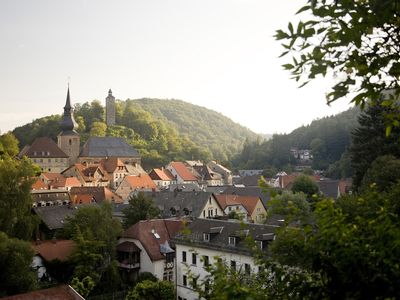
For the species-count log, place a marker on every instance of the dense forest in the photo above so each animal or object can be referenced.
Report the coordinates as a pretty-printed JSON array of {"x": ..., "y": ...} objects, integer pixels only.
[
  {"x": 162, "y": 130},
  {"x": 327, "y": 138}
]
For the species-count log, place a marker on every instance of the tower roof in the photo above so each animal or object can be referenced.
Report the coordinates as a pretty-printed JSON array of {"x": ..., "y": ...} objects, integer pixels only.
[{"x": 68, "y": 123}]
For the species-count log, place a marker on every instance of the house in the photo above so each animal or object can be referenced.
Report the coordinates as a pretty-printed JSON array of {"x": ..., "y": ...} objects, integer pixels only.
[
  {"x": 208, "y": 177},
  {"x": 46, "y": 197},
  {"x": 245, "y": 173},
  {"x": 249, "y": 207},
  {"x": 187, "y": 204},
  {"x": 225, "y": 172},
  {"x": 62, "y": 292},
  {"x": 345, "y": 186},
  {"x": 115, "y": 169},
  {"x": 286, "y": 181},
  {"x": 210, "y": 240},
  {"x": 48, "y": 251},
  {"x": 88, "y": 174},
  {"x": 329, "y": 188},
  {"x": 145, "y": 247},
  {"x": 58, "y": 181},
  {"x": 162, "y": 177},
  {"x": 133, "y": 184},
  {"x": 181, "y": 173},
  {"x": 249, "y": 191},
  {"x": 87, "y": 195},
  {"x": 45, "y": 153},
  {"x": 97, "y": 148}
]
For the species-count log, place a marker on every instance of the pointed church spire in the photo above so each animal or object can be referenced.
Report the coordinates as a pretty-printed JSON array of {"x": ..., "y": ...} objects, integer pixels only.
[
  {"x": 109, "y": 92},
  {"x": 68, "y": 123}
]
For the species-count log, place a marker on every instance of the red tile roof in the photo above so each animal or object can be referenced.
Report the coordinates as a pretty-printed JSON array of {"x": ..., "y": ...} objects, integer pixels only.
[
  {"x": 286, "y": 181},
  {"x": 86, "y": 194},
  {"x": 56, "y": 180},
  {"x": 249, "y": 202},
  {"x": 142, "y": 181},
  {"x": 44, "y": 147},
  {"x": 183, "y": 171},
  {"x": 111, "y": 164},
  {"x": 62, "y": 292},
  {"x": 51, "y": 250},
  {"x": 39, "y": 185},
  {"x": 143, "y": 231},
  {"x": 161, "y": 174}
]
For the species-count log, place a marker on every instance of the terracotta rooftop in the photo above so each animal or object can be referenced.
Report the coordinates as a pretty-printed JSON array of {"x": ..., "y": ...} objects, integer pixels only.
[
  {"x": 142, "y": 181},
  {"x": 62, "y": 292},
  {"x": 161, "y": 174},
  {"x": 143, "y": 231},
  {"x": 183, "y": 171},
  {"x": 39, "y": 185},
  {"x": 96, "y": 194},
  {"x": 56, "y": 180},
  {"x": 51, "y": 250},
  {"x": 249, "y": 202},
  {"x": 44, "y": 147},
  {"x": 111, "y": 164}
]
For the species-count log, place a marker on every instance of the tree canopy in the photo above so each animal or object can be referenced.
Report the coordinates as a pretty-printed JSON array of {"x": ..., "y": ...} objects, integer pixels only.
[
  {"x": 356, "y": 41},
  {"x": 140, "y": 208}
]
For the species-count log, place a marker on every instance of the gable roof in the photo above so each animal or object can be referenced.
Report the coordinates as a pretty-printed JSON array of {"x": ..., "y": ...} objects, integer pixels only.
[
  {"x": 329, "y": 188},
  {"x": 249, "y": 202},
  {"x": 206, "y": 173},
  {"x": 44, "y": 147},
  {"x": 249, "y": 191},
  {"x": 107, "y": 147},
  {"x": 54, "y": 249},
  {"x": 59, "y": 181},
  {"x": 182, "y": 202},
  {"x": 144, "y": 231},
  {"x": 39, "y": 185},
  {"x": 54, "y": 216},
  {"x": 62, "y": 292},
  {"x": 110, "y": 164},
  {"x": 87, "y": 171},
  {"x": 89, "y": 194},
  {"x": 220, "y": 231},
  {"x": 142, "y": 181},
  {"x": 182, "y": 171},
  {"x": 161, "y": 174}
]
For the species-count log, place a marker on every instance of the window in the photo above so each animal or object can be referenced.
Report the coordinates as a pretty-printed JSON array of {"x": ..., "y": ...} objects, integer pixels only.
[
  {"x": 229, "y": 208},
  {"x": 216, "y": 212},
  {"x": 49, "y": 160},
  {"x": 206, "y": 237},
  {"x": 194, "y": 258},
  {"x": 70, "y": 142},
  {"x": 206, "y": 260},
  {"x": 247, "y": 269},
  {"x": 184, "y": 280},
  {"x": 232, "y": 241},
  {"x": 165, "y": 276},
  {"x": 233, "y": 265},
  {"x": 204, "y": 213},
  {"x": 194, "y": 283},
  {"x": 183, "y": 256},
  {"x": 171, "y": 276}
]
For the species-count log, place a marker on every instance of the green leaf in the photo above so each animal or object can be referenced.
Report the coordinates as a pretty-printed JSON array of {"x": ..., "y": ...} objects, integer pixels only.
[
  {"x": 388, "y": 130},
  {"x": 290, "y": 27},
  {"x": 304, "y": 8}
]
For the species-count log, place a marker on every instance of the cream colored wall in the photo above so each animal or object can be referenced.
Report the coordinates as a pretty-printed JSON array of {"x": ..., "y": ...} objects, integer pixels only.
[
  {"x": 211, "y": 206},
  {"x": 48, "y": 164},
  {"x": 259, "y": 213}
]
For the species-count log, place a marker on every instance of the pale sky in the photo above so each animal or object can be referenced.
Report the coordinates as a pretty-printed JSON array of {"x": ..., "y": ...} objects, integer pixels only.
[{"x": 219, "y": 54}]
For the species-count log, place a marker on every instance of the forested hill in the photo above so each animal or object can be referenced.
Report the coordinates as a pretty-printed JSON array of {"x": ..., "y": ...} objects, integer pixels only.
[
  {"x": 162, "y": 130},
  {"x": 328, "y": 138}
]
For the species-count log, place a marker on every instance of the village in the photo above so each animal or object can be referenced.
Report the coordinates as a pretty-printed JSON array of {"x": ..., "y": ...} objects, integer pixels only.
[{"x": 220, "y": 209}]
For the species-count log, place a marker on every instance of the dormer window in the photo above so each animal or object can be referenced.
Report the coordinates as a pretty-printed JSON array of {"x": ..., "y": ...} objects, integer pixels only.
[
  {"x": 232, "y": 241},
  {"x": 206, "y": 237}
]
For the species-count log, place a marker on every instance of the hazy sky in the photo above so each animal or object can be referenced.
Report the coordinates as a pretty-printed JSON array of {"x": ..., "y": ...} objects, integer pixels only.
[{"x": 219, "y": 54}]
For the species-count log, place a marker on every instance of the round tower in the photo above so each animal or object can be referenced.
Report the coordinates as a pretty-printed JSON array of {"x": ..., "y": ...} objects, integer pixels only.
[{"x": 110, "y": 109}]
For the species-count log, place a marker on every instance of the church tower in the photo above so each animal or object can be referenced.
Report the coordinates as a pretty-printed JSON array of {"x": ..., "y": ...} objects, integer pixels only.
[
  {"x": 68, "y": 139},
  {"x": 110, "y": 109}
]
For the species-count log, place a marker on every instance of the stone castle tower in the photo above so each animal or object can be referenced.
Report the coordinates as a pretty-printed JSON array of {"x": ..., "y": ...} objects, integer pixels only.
[
  {"x": 68, "y": 139},
  {"x": 110, "y": 109}
]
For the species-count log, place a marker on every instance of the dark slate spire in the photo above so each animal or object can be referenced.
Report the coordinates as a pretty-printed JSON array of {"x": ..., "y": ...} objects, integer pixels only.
[
  {"x": 68, "y": 123},
  {"x": 109, "y": 92}
]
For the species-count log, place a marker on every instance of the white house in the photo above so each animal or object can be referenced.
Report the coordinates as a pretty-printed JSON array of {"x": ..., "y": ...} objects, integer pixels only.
[
  {"x": 210, "y": 240},
  {"x": 145, "y": 247}
]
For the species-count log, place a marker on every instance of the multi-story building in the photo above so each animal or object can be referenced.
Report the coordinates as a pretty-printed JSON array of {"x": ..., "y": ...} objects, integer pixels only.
[{"x": 210, "y": 240}]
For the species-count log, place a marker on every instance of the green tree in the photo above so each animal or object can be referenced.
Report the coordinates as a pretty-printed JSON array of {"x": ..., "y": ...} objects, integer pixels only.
[
  {"x": 318, "y": 150},
  {"x": 370, "y": 141},
  {"x": 140, "y": 208},
  {"x": 98, "y": 129},
  {"x": 152, "y": 290},
  {"x": 16, "y": 274},
  {"x": 84, "y": 286},
  {"x": 384, "y": 172},
  {"x": 16, "y": 178},
  {"x": 8, "y": 145},
  {"x": 305, "y": 185},
  {"x": 357, "y": 40}
]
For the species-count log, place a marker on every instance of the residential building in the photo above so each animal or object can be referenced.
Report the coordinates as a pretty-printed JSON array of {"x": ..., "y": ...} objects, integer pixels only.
[
  {"x": 250, "y": 208},
  {"x": 87, "y": 195},
  {"x": 115, "y": 169},
  {"x": 207, "y": 176},
  {"x": 62, "y": 292},
  {"x": 88, "y": 174},
  {"x": 135, "y": 184},
  {"x": 145, "y": 247},
  {"x": 181, "y": 173},
  {"x": 245, "y": 173},
  {"x": 45, "y": 153},
  {"x": 47, "y": 197},
  {"x": 162, "y": 178},
  {"x": 187, "y": 204},
  {"x": 225, "y": 172},
  {"x": 58, "y": 181},
  {"x": 210, "y": 240}
]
